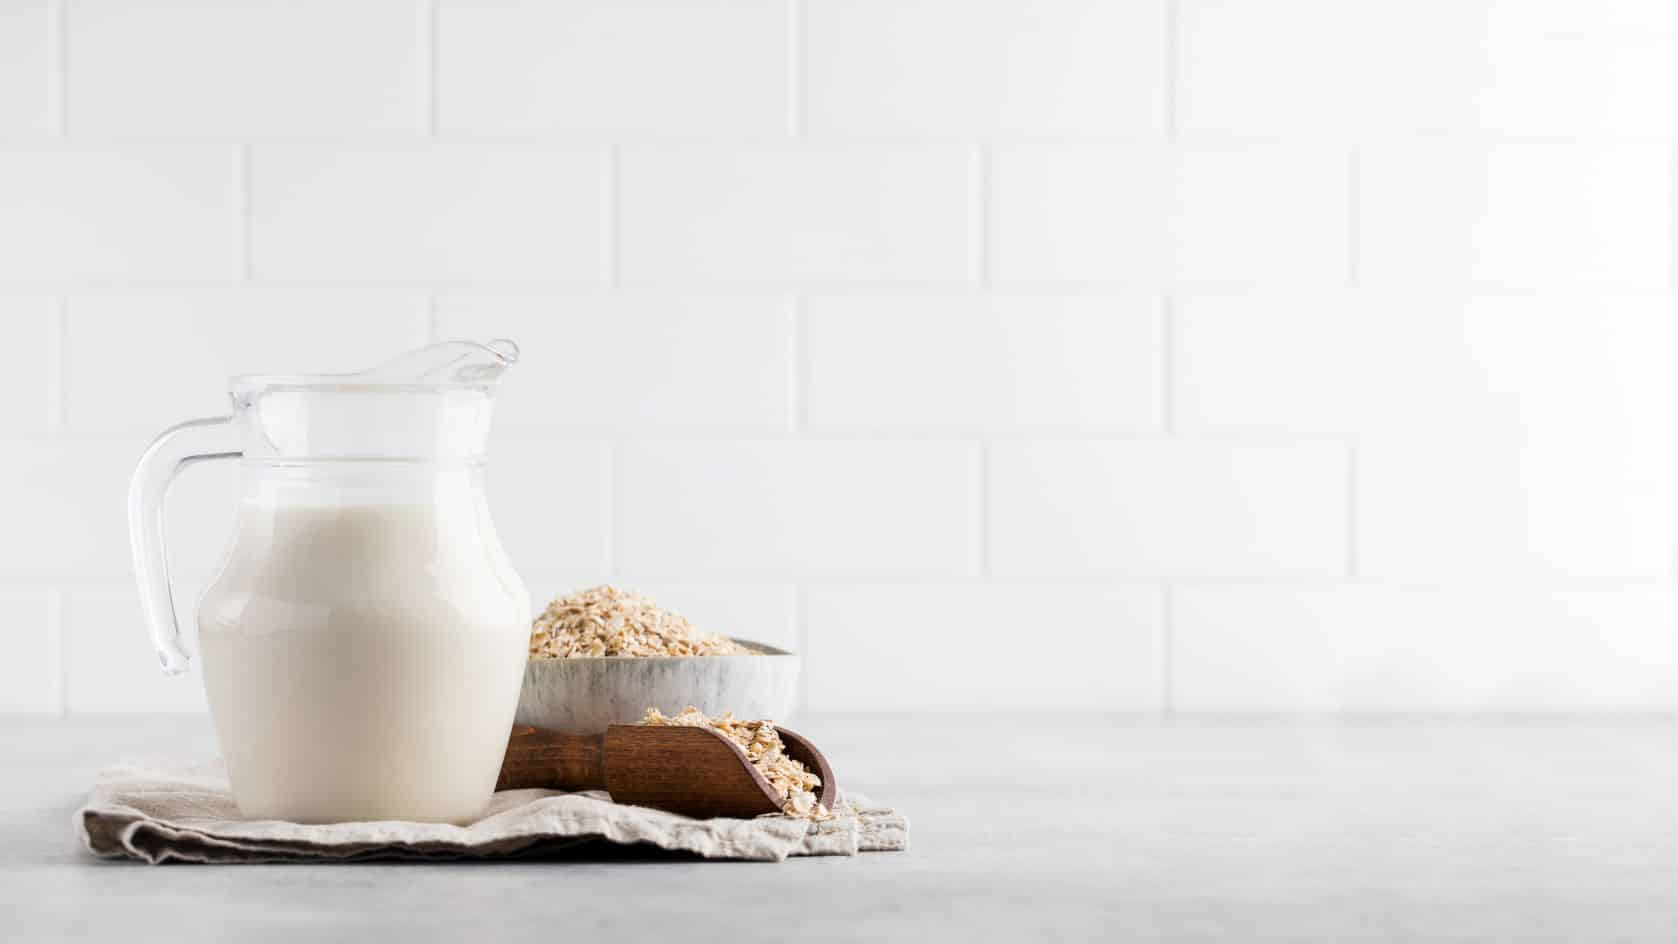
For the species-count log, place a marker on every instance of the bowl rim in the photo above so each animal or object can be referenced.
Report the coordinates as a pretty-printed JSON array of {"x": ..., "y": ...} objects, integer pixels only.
[{"x": 763, "y": 649}]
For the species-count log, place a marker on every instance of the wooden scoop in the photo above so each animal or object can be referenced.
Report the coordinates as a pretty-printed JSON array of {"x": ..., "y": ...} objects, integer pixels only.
[{"x": 693, "y": 771}]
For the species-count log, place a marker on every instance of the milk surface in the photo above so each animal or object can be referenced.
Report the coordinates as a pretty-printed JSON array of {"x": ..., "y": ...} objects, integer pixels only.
[{"x": 363, "y": 660}]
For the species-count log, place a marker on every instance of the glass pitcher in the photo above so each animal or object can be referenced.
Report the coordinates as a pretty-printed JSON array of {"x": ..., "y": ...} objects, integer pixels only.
[{"x": 364, "y": 642}]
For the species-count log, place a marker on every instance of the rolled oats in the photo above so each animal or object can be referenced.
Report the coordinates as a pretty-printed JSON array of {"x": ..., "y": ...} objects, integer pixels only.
[
  {"x": 762, "y": 744},
  {"x": 606, "y": 621}
]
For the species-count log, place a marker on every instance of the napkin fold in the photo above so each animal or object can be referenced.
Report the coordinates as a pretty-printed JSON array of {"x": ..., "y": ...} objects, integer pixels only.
[{"x": 162, "y": 813}]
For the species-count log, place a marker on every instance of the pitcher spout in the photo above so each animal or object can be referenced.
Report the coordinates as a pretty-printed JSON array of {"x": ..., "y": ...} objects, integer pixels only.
[
  {"x": 442, "y": 365},
  {"x": 447, "y": 363},
  {"x": 430, "y": 403}
]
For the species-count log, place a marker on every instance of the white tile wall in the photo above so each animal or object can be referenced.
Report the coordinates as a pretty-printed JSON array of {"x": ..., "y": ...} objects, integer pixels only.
[
  {"x": 550, "y": 501},
  {"x": 63, "y": 504},
  {"x": 871, "y": 213},
  {"x": 1520, "y": 66},
  {"x": 129, "y": 212},
  {"x": 25, "y": 67},
  {"x": 1517, "y": 213},
  {"x": 103, "y": 650},
  {"x": 789, "y": 507},
  {"x": 1424, "y": 363},
  {"x": 1167, "y": 508},
  {"x": 994, "y": 362},
  {"x": 259, "y": 69},
  {"x": 952, "y": 645},
  {"x": 30, "y": 327},
  {"x": 1480, "y": 509},
  {"x": 653, "y": 67},
  {"x": 1396, "y": 648},
  {"x": 672, "y": 361},
  {"x": 204, "y": 337},
  {"x": 1250, "y": 213},
  {"x": 1047, "y": 67},
  {"x": 431, "y": 214},
  {"x": 31, "y": 674},
  {"x": 1268, "y": 354}
]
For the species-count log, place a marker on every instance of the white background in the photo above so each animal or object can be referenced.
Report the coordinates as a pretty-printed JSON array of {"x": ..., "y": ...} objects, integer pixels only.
[{"x": 1166, "y": 355}]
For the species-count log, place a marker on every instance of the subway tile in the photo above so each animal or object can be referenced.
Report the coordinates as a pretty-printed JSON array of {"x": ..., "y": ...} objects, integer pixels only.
[
  {"x": 111, "y": 665},
  {"x": 1396, "y": 649},
  {"x": 27, "y": 324},
  {"x": 1018, "y": 67},
  {"x": 169, "y": 356},
  {"x": 984, "y": 362},
  {"x": 1085, "y": 213},
  {"x": 1143, "y": 213},
  {"x": 615, "y": 66},
  {"x": 548, "y": 498},
  {"x": 795, "y": 507},
  {"x": 1424, "y": 364},
  {"x": 873, "y": 213},
  {"x": 1513, "y": 66},
  {"x": 30, "y": 673},
  {"x": 134, "y": 212},
  {"x": 26, "y": 67},
  {"x": 1570, "y": 508},
  {"x": 300, "y": 67},
  {"x": 627, "y": 361},
  {"x": 69, "y": 497},
  {"x": 427, "y": 213},
  {"x": 900, "y": 646},
  {"x": 1167, "y": 508},
  {"x": 1516, "y": 213}
]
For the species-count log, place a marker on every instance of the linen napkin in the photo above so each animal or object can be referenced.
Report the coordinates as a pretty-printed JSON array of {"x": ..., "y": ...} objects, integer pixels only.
[{"x": 160, "y": 813}]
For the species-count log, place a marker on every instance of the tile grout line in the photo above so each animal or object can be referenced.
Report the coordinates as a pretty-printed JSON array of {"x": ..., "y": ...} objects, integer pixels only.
[
  {"x": 801, "y": 626},
  {"x": 1353, "y": 565},
  {"x": 1167, "y": 641},
  {"x": 244, "y": 170},
  {"x": 611, "y": 229},
  {"x": 59, "y": 643},
  {"x": 1169, "y": 86},
  {"x": 757, "y": 577},
  {"x": 57, "y": 364},
  {"x": 58, "y": 77},
  {"x": 609, "y": 507},
  {"x": 433, "y": 318},
  {"x": 1354, "y": 217},
  {"x": 796, "y": 55},
  {"x": 1672, "y": 214},
  {"x": 980, "y": 251},
  {"x": 1168, "y": 314},
  {"x": 982, "y": 563},
  {"x": 798, "y": 371},
  {"x": 1168, "y": 365},
  {"x": 430, "y": 14}
]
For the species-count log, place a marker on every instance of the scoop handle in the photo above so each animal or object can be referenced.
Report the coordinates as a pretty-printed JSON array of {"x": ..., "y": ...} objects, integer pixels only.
[{"x": 537, "y": 757}]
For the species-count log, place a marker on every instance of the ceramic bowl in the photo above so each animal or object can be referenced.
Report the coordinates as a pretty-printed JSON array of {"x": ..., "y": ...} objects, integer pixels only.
[{"x": 583, "y": 696}]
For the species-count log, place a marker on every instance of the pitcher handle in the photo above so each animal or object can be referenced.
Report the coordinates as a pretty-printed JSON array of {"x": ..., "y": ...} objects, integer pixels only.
[{"x": 178, "y": 446}]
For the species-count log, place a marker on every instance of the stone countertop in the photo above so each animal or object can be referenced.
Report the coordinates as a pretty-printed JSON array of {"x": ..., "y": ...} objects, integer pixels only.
[{"x": 1031, "y": 827}]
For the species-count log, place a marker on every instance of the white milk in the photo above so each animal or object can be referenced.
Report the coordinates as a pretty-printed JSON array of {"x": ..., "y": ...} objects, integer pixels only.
[{"x": 363, "y": 661}]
